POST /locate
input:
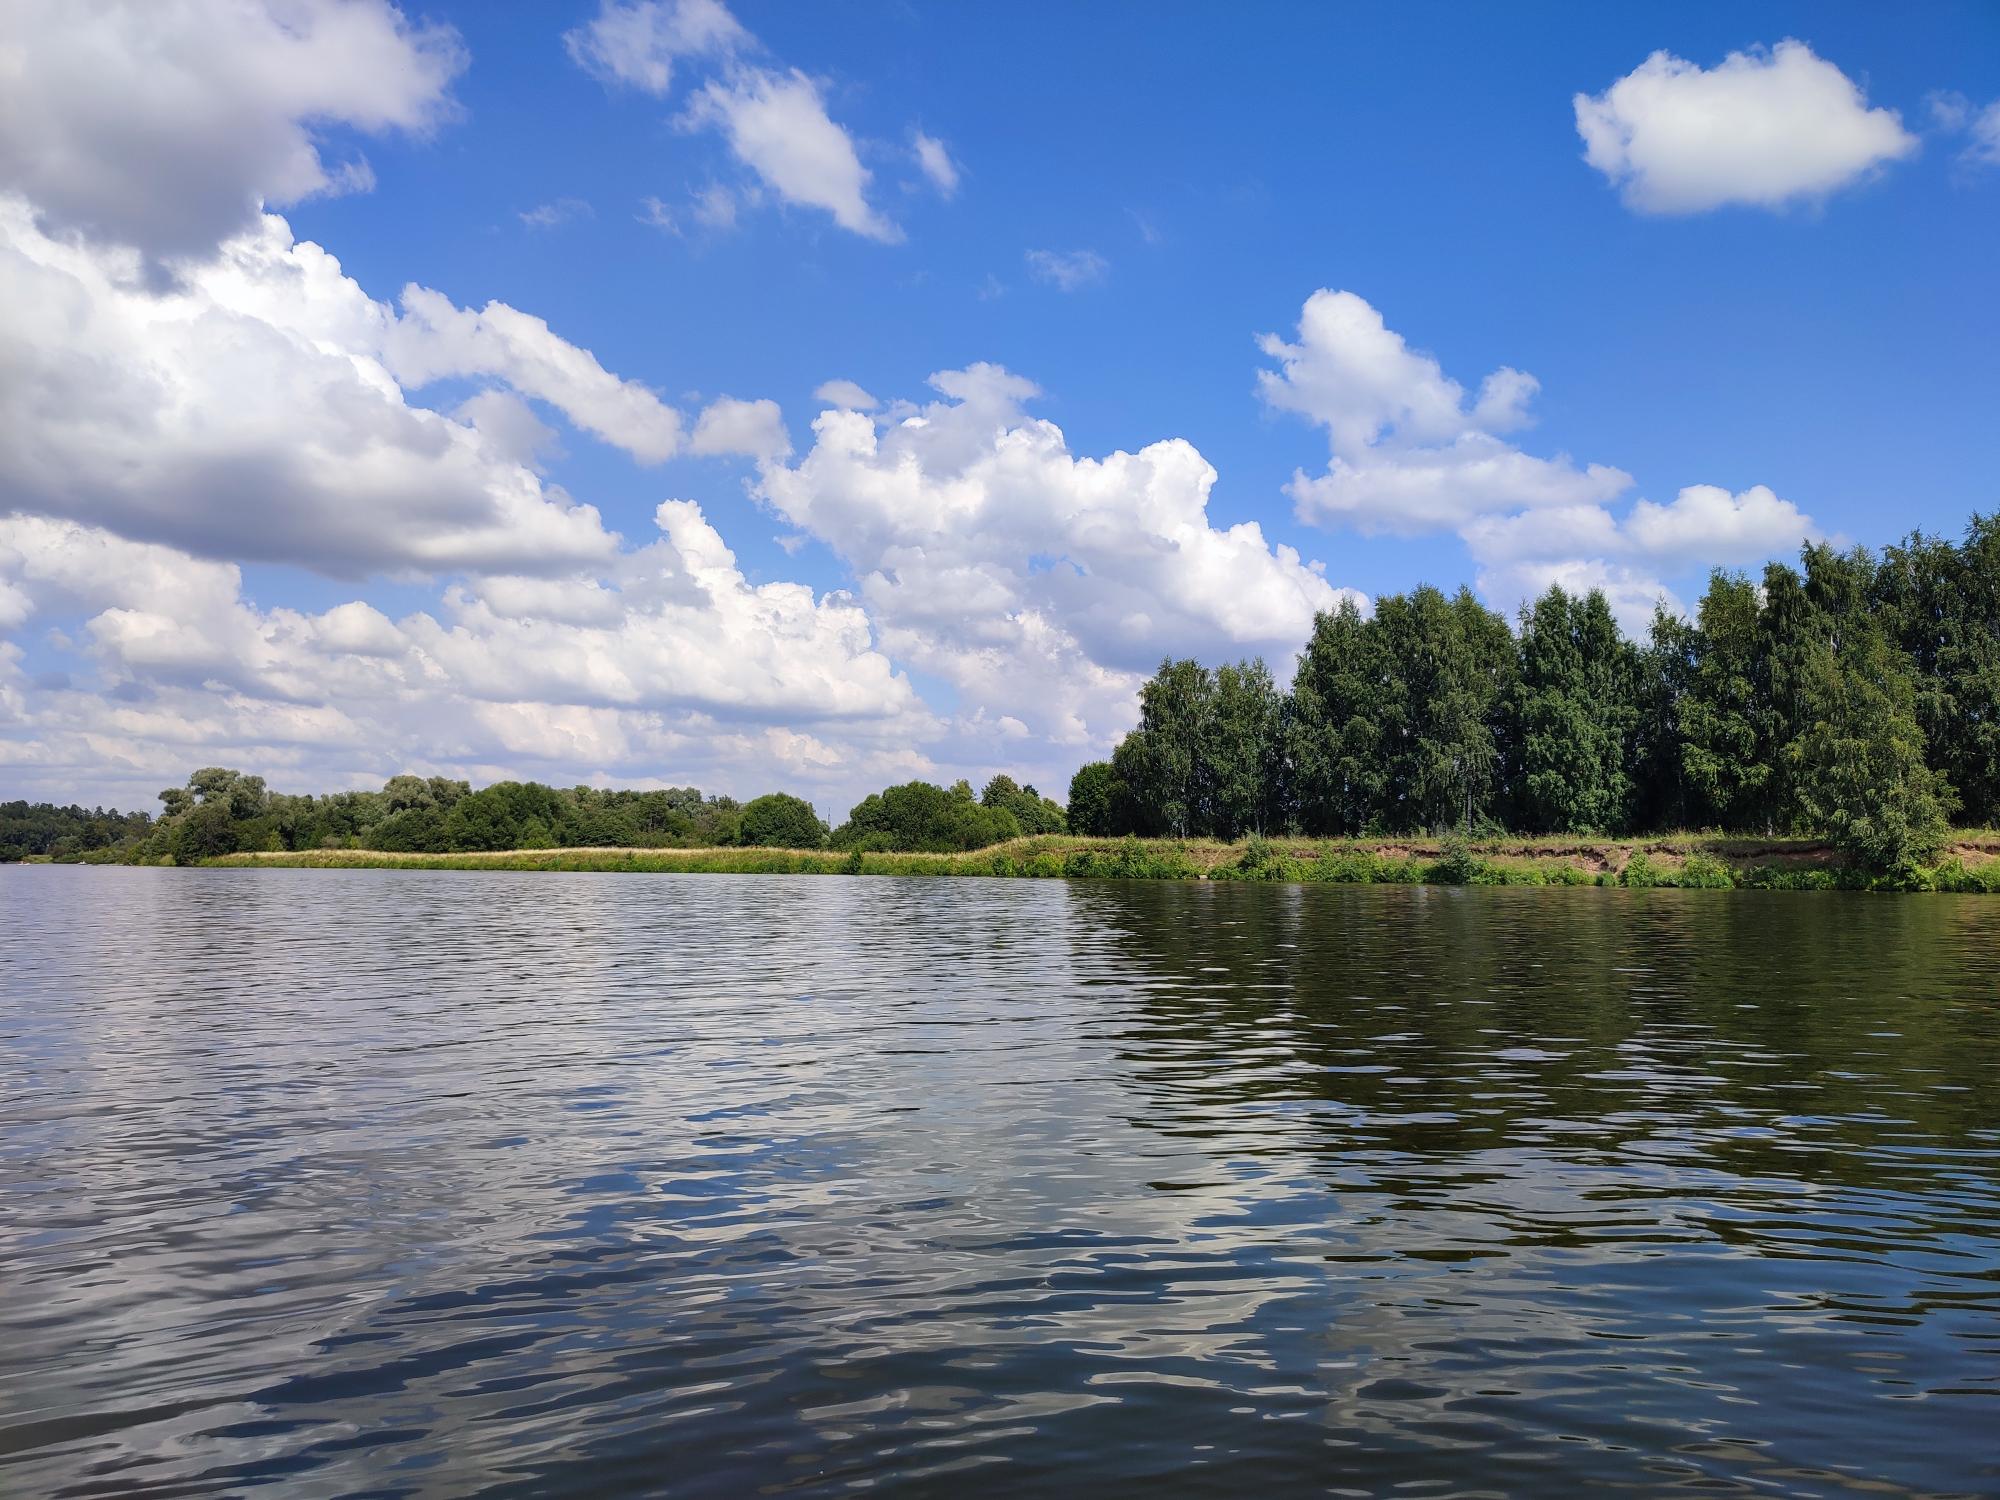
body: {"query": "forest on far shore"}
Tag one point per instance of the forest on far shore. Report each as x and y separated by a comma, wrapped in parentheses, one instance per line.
(1855, 698)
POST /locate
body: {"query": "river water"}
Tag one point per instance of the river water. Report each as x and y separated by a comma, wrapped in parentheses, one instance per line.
(432, 1183)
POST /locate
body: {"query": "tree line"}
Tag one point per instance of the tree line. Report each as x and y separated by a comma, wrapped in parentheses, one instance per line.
(43, 830)
(221, 811)
(1855, 698)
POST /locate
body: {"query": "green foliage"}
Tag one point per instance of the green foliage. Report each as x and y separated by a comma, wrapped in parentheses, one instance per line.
(1034, 813)
(780, 821)
(1131, 861)
(1725, 759)
(1576, 717)
(1640, 873)
(1097, 801)
(204, 831)
(41, 830)
(1456, 864)
(1704, 872)
(1858, 759)
(920, 816)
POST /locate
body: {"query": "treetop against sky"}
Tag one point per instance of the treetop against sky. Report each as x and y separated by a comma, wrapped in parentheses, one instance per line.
(665, 392)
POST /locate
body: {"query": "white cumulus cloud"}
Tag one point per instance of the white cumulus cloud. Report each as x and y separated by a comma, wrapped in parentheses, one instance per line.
(1704, 526)
(668, 666)
(434, 340)
(752, 429)
(251, 413)
(1041, 585)
(1766, 128)
(1410, 453)
(166, 124)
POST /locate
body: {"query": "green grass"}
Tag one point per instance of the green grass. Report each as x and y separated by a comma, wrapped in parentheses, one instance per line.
(1684, 861)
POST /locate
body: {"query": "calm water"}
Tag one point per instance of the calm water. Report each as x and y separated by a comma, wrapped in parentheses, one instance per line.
(402, 1183)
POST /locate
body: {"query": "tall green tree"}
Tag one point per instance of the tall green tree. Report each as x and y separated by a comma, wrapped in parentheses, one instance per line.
(1336, 726)
(1451, 665)
(1857, 763)
(1034, 812)
(1097, 801)
(1242, 754)
(1725, 714)
(1576, 716)
(1169, 771)
(1942, 603)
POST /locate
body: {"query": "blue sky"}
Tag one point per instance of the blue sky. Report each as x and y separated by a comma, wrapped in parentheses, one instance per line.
(1802, 318)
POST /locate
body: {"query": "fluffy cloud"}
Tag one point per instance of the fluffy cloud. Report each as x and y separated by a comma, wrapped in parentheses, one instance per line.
(773, 119)
(752, 429)
(635, 45)
(249, 413)
(671, 660)
(1040, 585)
(936, 163)
(1410, 453)
(1413, 452)
(1762, 128)
(777, 126)
(165, 124)
(1067, 270)
(1587, 547)
(1707, 524)
(434, 340)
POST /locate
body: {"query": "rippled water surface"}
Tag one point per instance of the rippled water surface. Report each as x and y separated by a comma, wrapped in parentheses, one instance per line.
(410, 1183)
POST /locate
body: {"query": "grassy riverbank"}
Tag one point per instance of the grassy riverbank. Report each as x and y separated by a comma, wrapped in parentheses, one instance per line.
(1971, 863)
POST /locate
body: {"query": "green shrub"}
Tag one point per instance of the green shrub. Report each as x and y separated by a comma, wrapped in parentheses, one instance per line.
(1641, 873)
(1456, 863)
(1704, 872)
(779, 820)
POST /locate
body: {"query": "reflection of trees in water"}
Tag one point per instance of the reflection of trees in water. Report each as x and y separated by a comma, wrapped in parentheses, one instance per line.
(1823, 1038)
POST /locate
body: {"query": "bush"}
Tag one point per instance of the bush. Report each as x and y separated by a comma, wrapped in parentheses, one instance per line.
(1456, 864)
(207, 832)
(417, 830)
(920, 818)
(1704, 872)
(1641, 874)
(780, 821)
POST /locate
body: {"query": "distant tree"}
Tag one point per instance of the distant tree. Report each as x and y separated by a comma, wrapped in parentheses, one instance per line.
(1034, 812)
(921, 817)
(1096, 798)
(781, 821)
(1666, 670)
(204, 832)
(415, 830)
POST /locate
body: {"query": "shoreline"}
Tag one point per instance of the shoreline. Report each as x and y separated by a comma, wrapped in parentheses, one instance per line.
(1699, 861)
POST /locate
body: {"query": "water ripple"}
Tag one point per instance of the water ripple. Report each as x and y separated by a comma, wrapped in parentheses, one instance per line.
(425, 1184)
